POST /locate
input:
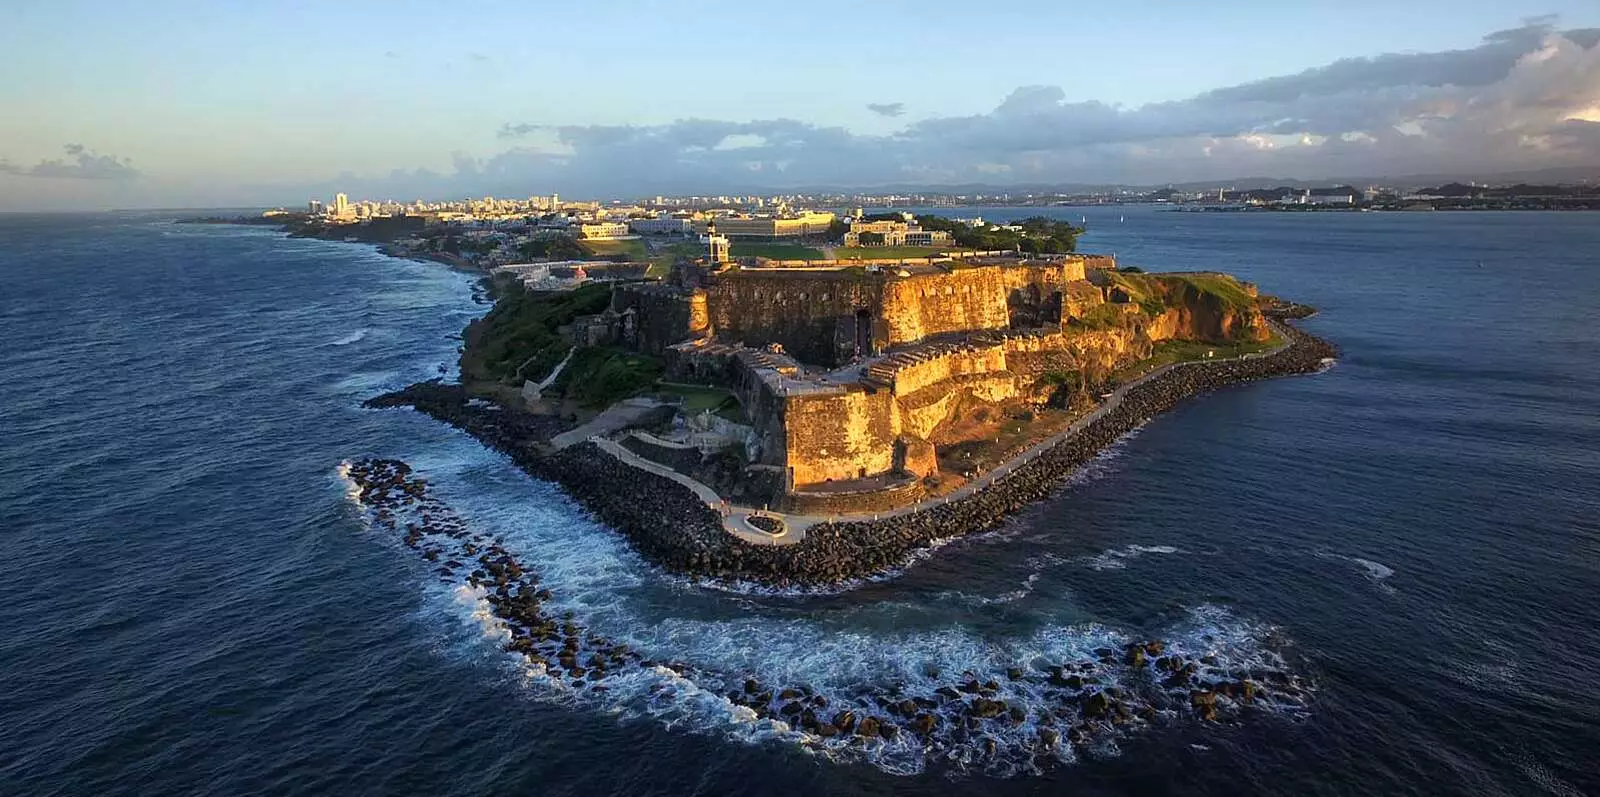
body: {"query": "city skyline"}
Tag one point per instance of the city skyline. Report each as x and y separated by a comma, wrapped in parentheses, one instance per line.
(174, 106)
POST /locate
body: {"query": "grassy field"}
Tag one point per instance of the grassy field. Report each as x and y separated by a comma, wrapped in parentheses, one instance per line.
(776, 251)
(885, 252)
(700, 399)
(634, 248)
(1177, 351)
(598, 376)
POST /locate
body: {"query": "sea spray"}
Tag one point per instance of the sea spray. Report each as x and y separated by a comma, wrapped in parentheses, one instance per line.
(903, 701)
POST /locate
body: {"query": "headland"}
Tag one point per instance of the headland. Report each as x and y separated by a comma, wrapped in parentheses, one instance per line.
(808, 426)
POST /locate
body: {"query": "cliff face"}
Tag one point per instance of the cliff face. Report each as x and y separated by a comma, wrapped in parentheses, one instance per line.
(1194, 313)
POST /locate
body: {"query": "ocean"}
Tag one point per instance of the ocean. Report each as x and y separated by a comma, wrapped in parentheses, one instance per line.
(192, 603)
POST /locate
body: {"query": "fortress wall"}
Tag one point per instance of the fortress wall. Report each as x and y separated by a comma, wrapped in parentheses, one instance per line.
(920, 419)
(801, 311)
(839, 436)
(661, 316)
(911, 378)
(808, 503)
(933, 304)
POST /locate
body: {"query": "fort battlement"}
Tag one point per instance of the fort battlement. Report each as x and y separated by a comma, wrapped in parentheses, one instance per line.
(846, 372)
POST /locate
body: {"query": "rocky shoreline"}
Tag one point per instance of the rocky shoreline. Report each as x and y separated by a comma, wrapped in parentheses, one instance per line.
(1033, 712)
(667, 523)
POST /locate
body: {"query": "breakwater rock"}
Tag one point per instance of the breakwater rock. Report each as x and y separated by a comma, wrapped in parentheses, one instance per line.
(667, 523)
(1020, 716)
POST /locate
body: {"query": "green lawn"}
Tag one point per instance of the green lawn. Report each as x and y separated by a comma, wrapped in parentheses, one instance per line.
(599, 376)
(700, 399)
(1175, 351)
(885, 252)
(633, 248)
(776, 251)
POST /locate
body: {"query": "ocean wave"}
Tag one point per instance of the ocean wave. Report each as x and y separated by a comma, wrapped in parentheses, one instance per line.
(1118, 558)
(594, 579)
(349, 339)
(1376, 572)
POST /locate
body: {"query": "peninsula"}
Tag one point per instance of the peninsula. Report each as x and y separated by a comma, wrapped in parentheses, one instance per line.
(808, 423)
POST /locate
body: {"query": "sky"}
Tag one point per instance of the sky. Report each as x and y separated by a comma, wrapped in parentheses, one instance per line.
(164, 104)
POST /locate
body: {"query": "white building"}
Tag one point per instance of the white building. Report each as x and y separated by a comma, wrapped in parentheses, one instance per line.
(662, 224)
(602, 230)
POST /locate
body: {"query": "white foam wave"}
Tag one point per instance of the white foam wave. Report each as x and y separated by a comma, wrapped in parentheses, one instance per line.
(1118, 558)
(350, 338)
(1376, 572)
(593, 574)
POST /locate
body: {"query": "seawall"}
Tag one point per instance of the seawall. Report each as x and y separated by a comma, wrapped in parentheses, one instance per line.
(669, 524)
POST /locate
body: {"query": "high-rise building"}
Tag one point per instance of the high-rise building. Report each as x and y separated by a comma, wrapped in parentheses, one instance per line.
(341, 204)
(314, 207)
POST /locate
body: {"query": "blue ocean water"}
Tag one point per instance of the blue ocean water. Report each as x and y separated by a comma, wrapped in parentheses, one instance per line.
(191, 603)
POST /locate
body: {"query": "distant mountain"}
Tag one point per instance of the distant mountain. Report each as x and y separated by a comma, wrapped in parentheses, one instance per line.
(1553, 176)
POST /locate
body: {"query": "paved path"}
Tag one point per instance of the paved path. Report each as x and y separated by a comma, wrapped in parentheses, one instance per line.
(737, 518)
(737, 523)
(615, 417)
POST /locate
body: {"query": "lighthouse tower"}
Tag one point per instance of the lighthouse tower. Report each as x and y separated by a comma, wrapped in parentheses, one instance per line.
(718, 245)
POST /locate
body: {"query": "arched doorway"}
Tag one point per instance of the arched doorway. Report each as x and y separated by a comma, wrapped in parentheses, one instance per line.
(863, 338)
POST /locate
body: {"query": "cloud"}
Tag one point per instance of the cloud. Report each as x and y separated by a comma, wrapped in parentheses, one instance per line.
(887, 108)
(1523, 98)
(84, 164)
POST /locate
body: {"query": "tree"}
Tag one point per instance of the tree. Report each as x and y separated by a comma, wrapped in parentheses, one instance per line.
(836, 229)
(870, 239)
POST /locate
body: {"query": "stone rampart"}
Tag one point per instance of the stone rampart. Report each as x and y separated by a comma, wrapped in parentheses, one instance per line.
(653, 317)
(878, 499)
(839, 436)
(818, 316)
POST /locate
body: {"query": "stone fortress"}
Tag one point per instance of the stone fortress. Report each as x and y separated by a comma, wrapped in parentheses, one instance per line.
(853, 377)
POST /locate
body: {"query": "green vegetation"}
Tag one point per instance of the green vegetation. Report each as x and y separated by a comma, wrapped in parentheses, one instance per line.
(870, 239)
(1039, 235)
(1222, 286)
(1102, 316)
(600, 376)
(632, 249)
(521, 328)
(886, 252)
(557, 248)
(1177, 351)
(688, 249)
(1151, 306)
(1067, 387)
(699, 399)
(541, 364)
(775, 251)
(1164, 288)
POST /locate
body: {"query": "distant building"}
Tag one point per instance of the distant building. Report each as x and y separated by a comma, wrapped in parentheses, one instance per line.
(801, 224)
(601, 230)
(896, 233)
(314, 207)
(660, 225)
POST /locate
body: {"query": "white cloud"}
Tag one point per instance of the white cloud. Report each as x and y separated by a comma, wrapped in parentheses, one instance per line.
(1524, 98)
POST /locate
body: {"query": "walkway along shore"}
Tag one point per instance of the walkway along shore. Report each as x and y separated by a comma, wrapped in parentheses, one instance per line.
(673, 525)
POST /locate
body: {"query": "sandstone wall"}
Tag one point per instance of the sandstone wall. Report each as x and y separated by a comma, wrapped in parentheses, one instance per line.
(839, 437)
(811, 314)
(932, 304)
(975, 360)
